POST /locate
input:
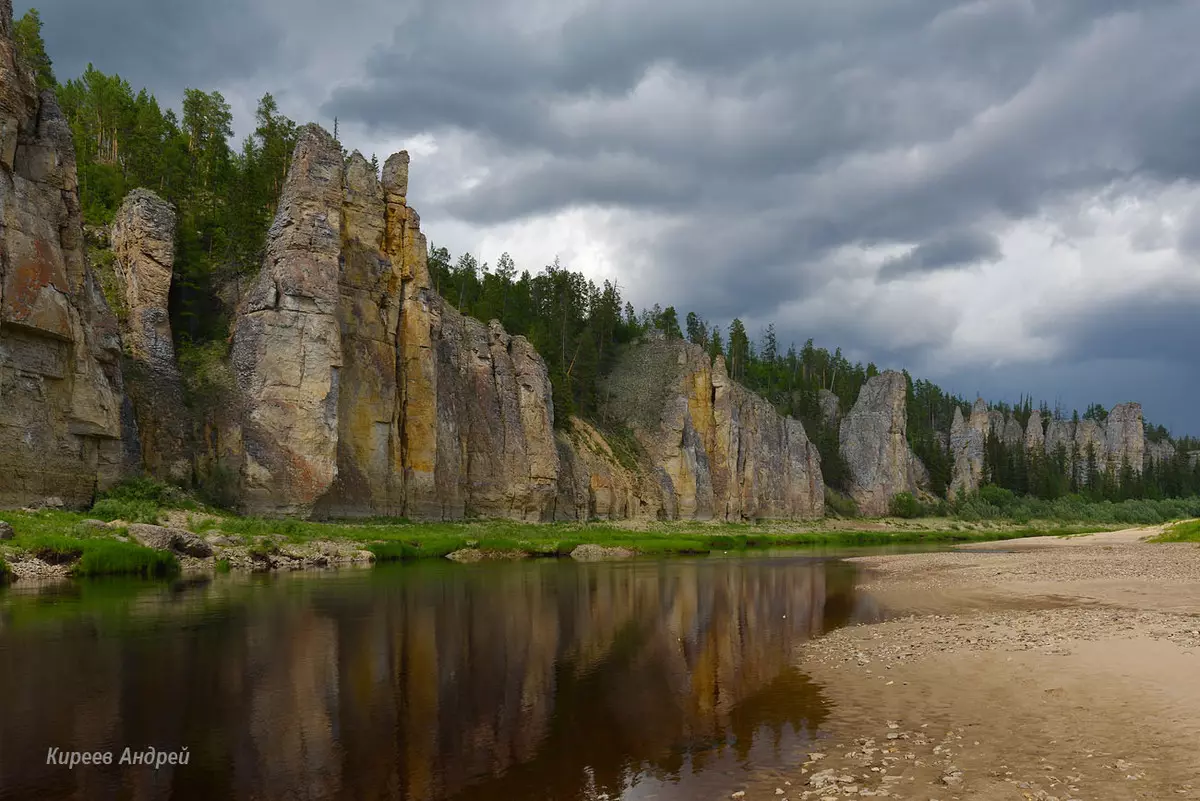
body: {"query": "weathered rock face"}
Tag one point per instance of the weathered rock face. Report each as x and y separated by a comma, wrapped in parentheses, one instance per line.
(1060, 433)
(60, 376)
(143, 242)
(716, 449)
(1159, 452)
(594, 483)
(1125, 437)
(830, 407)
(1034, 436)
(967, 442)
(287, 345)
(1013, 435)
(874, 445)
(1089, 444)
(361, 392)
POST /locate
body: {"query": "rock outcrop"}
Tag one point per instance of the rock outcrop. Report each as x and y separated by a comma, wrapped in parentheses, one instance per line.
(715, 449)
(595, 483)
(1060, 435)
(1159, 452)
(60, 375)
(361, 391)
(1035, 439)
(143, 243)
(831, 414)
(967, 442)
(1125, 438)
(874, 445)
(1014, 435)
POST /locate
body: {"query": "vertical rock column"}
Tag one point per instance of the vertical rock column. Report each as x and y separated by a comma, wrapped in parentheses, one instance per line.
(60, 376)
(287, 352)
(143, 241)
(416, 368)
(874, 444)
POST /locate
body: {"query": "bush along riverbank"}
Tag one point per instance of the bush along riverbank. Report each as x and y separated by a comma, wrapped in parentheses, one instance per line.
(143, 528)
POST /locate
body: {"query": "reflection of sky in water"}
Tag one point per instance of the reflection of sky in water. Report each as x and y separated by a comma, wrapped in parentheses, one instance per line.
(661, 679)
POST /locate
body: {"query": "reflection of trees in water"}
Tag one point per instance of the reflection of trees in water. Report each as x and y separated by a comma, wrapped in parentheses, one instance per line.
(509, 681)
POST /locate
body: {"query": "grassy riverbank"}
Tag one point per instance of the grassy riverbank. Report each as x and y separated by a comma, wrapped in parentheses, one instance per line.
(1188, 531)
(97, 542)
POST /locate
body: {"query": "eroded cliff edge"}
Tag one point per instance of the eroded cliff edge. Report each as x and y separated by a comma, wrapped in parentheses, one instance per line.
(60, 375)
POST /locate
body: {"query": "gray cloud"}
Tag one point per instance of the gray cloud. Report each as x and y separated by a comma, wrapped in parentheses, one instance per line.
(947, 251)
(758, 147)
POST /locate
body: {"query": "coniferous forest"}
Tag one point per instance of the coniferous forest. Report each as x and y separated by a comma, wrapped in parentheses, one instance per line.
(226, 193)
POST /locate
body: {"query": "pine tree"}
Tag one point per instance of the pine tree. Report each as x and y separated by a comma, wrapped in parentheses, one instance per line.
(27, 35)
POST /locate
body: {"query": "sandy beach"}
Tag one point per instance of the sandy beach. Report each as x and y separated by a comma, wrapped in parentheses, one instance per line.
(1049, 668)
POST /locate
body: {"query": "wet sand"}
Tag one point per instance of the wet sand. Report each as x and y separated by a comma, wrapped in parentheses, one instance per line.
(1055, 669)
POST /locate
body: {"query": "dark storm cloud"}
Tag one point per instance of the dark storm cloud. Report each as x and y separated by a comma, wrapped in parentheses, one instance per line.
(163, 45)
(955, 249)
(750, 150)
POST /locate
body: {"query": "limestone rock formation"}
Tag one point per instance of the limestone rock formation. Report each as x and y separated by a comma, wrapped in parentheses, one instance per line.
(830, 407)
(143, 242)
(1034, 435)
(716, 449)
(874, 445)
(1158, 452)
(1089, 445)
(967, 442)
(1013, 435)
(1060, 434)
(594, 482)
(1125, 437)
(60, 375)
(361, 391)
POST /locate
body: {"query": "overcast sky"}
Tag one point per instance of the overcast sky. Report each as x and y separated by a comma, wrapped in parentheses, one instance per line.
(999, 195)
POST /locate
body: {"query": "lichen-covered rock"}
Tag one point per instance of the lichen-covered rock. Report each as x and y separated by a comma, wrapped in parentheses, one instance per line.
(60, 374)
(163, 538)
(874, 445)
(714, 448)
(143, 242)
(967, 443)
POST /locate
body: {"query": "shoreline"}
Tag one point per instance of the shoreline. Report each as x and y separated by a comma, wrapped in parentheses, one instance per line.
(1051, 669)
(55, 544)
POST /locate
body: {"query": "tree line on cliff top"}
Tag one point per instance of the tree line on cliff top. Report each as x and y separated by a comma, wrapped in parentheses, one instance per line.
(226, 200)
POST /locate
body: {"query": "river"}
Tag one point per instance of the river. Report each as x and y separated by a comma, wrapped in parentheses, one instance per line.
(648, 678)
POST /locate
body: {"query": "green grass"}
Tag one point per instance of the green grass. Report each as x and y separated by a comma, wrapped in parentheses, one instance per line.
(112, 558)
(5, 572)
(59, 538)
(1188, 531)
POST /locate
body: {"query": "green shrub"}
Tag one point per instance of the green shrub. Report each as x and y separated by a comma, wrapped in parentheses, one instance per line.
(129, 510)
(840, 505)
(905, 504)
(223, 566)
(218, 487)
(5, 571)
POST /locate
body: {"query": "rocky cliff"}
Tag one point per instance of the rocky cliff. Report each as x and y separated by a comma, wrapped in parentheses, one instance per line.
(874, 444)
(360, 391)
(714, 449)
(143, 243)
(967, 441)
(1119, 440)
(60, 376)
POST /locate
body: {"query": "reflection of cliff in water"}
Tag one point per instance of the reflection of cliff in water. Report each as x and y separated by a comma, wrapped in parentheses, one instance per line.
(536, 680)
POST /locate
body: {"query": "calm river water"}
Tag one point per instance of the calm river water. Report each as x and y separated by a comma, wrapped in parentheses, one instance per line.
(664, 679)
